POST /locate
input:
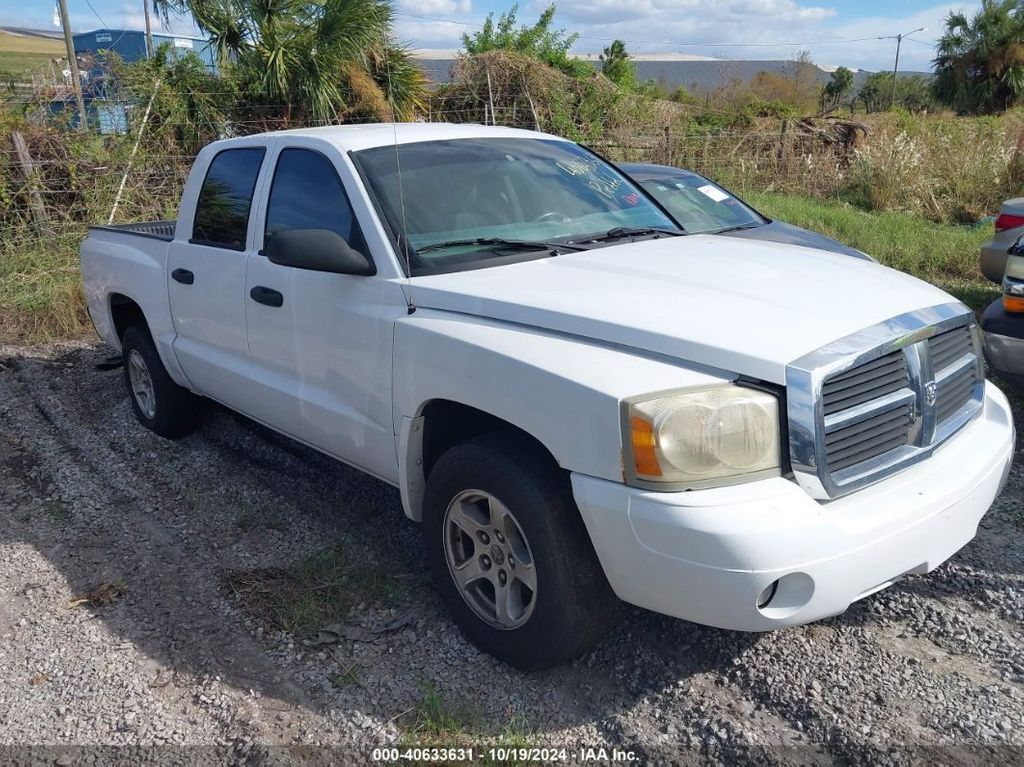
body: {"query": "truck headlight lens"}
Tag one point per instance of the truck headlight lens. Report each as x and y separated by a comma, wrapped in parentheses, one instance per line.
(702, 437)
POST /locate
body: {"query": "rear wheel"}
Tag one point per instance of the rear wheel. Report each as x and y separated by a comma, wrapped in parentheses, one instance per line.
(158, 403)
(510, 554)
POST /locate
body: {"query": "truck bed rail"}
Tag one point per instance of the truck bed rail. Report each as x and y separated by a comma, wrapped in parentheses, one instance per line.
(160, 230)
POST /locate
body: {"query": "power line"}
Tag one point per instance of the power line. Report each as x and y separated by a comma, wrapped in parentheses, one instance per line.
(780, 44)
(94, 13)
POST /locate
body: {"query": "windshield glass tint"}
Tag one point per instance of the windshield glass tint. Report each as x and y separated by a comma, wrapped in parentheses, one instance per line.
(698, 205)
(512, 188)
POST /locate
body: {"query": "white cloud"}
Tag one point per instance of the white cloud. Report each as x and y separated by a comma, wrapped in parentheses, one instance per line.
(738, 29)
(435, 7)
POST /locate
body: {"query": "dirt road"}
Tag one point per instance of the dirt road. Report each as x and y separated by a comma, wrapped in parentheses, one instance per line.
(137, 587)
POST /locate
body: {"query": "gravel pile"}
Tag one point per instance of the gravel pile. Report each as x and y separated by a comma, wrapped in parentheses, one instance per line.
(117, 629)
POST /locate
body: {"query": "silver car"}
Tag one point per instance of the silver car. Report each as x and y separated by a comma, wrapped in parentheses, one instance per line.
(1002, 261)
(1009, 226)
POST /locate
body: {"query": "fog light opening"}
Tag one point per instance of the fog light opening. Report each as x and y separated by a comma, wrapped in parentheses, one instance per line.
(765, 597)
(785, 597)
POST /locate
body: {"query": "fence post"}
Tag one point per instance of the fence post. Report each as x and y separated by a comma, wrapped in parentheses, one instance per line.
(667, 130)
(28, 170)
(490, 96)
(533, 108)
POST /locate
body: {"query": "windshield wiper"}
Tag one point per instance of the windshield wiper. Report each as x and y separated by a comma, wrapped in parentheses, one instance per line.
(496, 242)
(737, 228)
(620, 232)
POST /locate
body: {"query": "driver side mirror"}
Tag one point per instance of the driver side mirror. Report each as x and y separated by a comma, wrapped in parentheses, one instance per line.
(1017, 249)
(318, 250)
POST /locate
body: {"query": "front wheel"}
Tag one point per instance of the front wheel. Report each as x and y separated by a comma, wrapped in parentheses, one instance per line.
(510, 554)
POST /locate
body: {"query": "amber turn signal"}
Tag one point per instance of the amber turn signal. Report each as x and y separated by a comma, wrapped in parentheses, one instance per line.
(1013, 303)
(642, 437)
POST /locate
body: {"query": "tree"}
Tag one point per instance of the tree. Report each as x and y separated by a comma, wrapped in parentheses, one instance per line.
(875, 91)
(311, 60)
(538, 41)
(979, 66)
(838, 86)
(616, 66)
(912, 93)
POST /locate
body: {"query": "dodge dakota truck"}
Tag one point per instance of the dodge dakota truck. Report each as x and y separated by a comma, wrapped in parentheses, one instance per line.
(580, 402)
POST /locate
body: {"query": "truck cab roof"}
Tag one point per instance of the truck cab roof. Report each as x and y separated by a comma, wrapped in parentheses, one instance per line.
(349, 138)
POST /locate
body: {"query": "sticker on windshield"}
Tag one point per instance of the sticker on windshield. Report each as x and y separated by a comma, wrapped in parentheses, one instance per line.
(713, 192)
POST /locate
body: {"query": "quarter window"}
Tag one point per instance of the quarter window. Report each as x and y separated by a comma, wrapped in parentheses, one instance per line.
(307, 194)
(222, 210)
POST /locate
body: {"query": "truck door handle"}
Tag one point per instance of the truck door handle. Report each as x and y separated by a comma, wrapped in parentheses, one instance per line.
(184, 276)
(266, 296)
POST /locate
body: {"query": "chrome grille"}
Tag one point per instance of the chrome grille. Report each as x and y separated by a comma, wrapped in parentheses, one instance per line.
(952, 358)
(872, 403)
(948, 347)
(954, 392)
(864, 383)
(868, 410)
(855, 444)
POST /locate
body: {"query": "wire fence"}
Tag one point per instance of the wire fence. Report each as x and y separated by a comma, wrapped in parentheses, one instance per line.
(52, 177)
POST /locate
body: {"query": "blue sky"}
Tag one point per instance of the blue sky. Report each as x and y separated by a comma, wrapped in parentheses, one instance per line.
(837, 32)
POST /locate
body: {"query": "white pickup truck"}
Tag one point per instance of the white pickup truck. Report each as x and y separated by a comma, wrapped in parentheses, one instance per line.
(579, 401)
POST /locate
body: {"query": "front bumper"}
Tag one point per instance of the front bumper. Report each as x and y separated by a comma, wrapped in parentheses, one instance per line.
(710, 556)
(1004, 342)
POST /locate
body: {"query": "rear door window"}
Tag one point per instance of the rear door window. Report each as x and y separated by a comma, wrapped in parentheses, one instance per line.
(225, 199)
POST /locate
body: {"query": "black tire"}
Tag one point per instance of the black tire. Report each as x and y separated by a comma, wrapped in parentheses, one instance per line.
(175, 410)
(574, 604)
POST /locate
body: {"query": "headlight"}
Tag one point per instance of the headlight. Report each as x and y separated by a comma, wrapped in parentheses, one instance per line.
(1013, 295)
(701, 437)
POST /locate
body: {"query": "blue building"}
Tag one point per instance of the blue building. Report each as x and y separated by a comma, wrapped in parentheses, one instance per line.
(103, 112)
(130, 44)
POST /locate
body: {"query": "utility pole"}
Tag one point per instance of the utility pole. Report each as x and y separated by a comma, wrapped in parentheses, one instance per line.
(896, 66)
(149, 30)
(76, 81)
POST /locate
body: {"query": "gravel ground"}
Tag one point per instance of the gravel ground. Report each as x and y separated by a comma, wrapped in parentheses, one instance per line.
(165, 654)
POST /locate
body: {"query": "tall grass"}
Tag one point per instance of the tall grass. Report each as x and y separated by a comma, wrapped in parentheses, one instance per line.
(944, 254)
(954, 169)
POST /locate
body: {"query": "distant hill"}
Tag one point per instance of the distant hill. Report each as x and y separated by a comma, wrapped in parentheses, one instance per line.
(53, 34)
(20, 50)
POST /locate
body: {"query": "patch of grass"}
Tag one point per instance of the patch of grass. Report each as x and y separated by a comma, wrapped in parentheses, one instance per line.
(436, 722)
(943, 254)
(21, 52)
(41, 296)
(318, 591)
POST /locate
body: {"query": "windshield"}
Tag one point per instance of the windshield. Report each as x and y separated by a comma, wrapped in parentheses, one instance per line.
(700, 206)
(520, 189)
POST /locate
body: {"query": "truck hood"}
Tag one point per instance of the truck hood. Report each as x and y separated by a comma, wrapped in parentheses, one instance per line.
(746, 307)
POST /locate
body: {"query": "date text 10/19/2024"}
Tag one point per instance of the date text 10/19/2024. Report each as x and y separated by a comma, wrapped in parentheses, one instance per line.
(502, 754)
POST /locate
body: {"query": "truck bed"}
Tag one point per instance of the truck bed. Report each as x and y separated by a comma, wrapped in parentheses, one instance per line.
(160, 230)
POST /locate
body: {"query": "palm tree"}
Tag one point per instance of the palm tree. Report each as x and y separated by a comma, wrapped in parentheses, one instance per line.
(980, 61)
(312, 61)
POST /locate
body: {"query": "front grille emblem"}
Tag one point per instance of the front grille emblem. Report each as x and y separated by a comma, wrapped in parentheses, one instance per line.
(931, 393)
